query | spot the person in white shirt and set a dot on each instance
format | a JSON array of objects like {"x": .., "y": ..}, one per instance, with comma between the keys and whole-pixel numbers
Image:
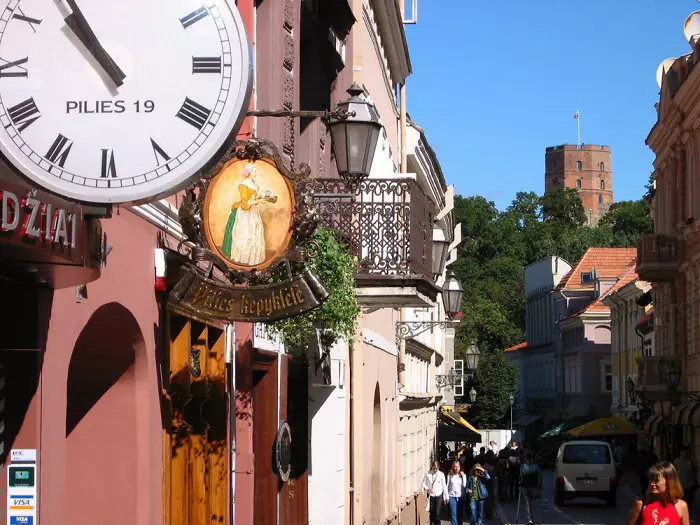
[
  {"x": 493, "y": 447},
  {"x": 434, "y": 485},
  {"x": 456, "y": 489}
]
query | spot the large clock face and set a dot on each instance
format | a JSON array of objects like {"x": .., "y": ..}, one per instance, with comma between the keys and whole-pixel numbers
[{"x": 119, "y": 100}]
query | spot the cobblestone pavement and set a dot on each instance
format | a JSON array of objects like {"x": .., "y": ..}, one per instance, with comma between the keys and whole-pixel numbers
[{"x": 581, "y": 511}]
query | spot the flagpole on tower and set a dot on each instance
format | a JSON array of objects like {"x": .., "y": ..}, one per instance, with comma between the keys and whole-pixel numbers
[{"x": 577, "y": 116}]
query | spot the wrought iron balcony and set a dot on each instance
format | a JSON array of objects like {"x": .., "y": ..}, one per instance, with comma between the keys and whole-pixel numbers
[
  {"x": 388, "y": 225},
  {"x": 659, "y": 257}
]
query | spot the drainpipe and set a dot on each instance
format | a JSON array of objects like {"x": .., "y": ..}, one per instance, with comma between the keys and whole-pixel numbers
[
  {"x": 351, "y": 420},
  {"x": 404, "y": 169}
]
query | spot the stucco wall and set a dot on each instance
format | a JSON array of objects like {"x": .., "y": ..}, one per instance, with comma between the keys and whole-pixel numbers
[{"x": 100, "y": 444}]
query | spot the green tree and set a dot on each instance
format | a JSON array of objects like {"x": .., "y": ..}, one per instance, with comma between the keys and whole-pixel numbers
[
  {"x": 563, "y": 206},
  {"x": 628, "y": 220},
  {"x": 495, "y": 380}
]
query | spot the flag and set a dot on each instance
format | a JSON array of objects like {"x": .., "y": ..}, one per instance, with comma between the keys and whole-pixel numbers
[{"x": 576, "y": 115}]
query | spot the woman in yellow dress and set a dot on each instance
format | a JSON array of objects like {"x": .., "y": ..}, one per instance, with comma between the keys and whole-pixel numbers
[{"x": 244, "y": 235}]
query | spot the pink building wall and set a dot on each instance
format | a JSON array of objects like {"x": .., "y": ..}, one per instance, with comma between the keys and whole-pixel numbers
[{"x": 95, "y": 417}]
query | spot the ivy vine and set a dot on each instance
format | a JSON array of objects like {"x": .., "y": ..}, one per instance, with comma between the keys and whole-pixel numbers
[{"x": 335, "y": 267}]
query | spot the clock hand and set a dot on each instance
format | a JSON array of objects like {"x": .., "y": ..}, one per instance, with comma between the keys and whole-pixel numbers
[{"x": 78, "y": 24}]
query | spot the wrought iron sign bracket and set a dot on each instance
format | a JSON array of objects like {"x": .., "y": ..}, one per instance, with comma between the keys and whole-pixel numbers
[
  {"x": 443, "y": 380},
  {"x": 695, "y": 396},
  {"x": 337, "y": 114},
  {"x": 410, "y": 329}
]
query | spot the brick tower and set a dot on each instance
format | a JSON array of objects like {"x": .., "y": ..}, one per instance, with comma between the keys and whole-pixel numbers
[{"x": 587, "y": 168}]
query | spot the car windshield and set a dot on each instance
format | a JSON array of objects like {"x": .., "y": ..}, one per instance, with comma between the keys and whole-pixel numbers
[{"x": 587, "y": 454}]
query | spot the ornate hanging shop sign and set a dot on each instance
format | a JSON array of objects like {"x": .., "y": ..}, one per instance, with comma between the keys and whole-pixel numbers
[{"x": 246, "y": 223}]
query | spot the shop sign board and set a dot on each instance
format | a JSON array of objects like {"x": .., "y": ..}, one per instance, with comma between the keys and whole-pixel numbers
[
  {"x": 22, "y": 479},
  {"x": 30, "y": 217},
  {"x": 249, "y": 220}
]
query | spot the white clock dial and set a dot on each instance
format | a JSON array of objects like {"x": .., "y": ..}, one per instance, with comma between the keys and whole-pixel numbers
[{"x": 119, "y": 101}]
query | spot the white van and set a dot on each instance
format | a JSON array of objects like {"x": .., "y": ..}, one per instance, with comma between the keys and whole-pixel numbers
[{"x": 585, "y": 469}]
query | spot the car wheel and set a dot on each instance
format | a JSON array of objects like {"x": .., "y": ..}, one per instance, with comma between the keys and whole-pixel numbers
[{"x": 559, "y": 497}]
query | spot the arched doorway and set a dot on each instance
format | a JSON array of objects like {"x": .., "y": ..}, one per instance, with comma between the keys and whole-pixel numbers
[
  {"x": 376, "y": 489},
  {"x": 101, "y": 419}
]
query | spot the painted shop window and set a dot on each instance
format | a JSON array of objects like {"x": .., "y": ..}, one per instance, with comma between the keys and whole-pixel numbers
[
  {"x": 602, "y": 184},
  {"x": 579, "y": 165},
  {"x": 578, "y": 183}
]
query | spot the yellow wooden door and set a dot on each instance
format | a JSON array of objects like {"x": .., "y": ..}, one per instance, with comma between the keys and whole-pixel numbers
[{"x": 195, "y": 481}]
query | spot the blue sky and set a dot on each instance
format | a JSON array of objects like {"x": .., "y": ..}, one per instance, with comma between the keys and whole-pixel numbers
[{"x": 495, "y": 82}]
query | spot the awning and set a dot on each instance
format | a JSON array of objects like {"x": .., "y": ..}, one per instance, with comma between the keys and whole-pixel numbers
[
  {"x": 561, "y": 428},
  {"x": 526, "y": 420},
  {"x": 653, "y": 424},
  {"x": 683, "y": 415},
  {"x": 454, "y": 427},
  {"x": 646, "y": 323},
  {"x": 605, "y": 426},
  {"x": 447, "y": 432}
]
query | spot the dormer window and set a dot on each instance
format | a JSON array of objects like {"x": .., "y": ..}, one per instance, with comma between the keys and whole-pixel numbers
[{"x": 586, "y": 277}]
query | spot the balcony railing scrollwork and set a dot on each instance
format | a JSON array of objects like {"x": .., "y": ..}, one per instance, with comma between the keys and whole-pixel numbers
[
  {"x": 659, "y": 257},
  {"x": 387, "y": 223}
]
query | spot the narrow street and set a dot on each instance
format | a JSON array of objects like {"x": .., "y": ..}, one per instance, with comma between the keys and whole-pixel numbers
[{"x": 583, "y": 511}]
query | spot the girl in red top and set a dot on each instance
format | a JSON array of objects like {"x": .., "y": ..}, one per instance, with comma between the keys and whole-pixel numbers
[{"x": 663, "y": 503}]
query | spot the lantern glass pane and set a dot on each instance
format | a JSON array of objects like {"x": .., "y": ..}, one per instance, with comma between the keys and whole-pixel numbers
[
  {"x": 357, "y": 146},
  {"x": 338, "y": 136}
]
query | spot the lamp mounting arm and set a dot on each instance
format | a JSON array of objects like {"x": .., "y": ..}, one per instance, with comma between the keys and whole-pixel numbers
[
  {"x": 410, "y": 329},
  {"x": 337, "y": 114}
]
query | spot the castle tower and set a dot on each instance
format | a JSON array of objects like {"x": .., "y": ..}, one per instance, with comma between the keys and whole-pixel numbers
[{"x": 587, "y": 168}]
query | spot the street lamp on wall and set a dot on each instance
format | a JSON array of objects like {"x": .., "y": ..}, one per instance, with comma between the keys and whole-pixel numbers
[
  {"x": 354, "y": 133},
  {"x": 441, "y": 245},
  {"x": 452, "y": 293},
  {"x": 631, "y": 392},
  {"x": 354, "y": 126},
  {"x": 471, "y": 359},
  {"x": 511, "y": 400},
  {"x": 472, "y": 396}
]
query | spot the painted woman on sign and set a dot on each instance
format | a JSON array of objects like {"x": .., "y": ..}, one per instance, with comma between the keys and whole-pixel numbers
[{"x": 244, "y": 235}]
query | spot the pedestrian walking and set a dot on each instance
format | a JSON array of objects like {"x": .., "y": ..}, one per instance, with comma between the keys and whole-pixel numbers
[
  {"x": 477, "y": 493},
  {"x": 645, "y": 461},
  {"x": 434, "y": 485},
  {"x": 456, "y": 489},
  {"x": 490, "y": 466},
  {"x": 688, "y": 474},
  {"x": 515, "y": 455},
  {"x": 530, "y": 483},
  {"x": 493, "y": 447},
  {"x": 663, "y": 503}
]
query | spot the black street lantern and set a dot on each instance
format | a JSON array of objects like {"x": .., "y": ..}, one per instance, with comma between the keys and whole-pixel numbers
[
  {"x": 472, "y": 396},
  {"x": 452, "y": 292},
  {"x": 440, "y": 249},
  {"x": 354, "y": 128},
  {"x": 471, "y": 359},
  {"x": 673, "y": 376},
  {"x": 631, "y": 392}
]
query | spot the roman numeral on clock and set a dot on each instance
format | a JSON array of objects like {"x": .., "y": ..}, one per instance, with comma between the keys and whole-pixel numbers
[
  {"x": 59, "y": 150},
  {"x": 160, "y": 154},
  {"x": 24, "y": 114},
  {"x": 194, "y": 114},
  {"x": 14, "y": 68},
  {"x": 31, "y": 21},
  {"x": 206, "y": 64},
  {"x": 194, "y": 16},
  {"x": 109, "y": 168}
]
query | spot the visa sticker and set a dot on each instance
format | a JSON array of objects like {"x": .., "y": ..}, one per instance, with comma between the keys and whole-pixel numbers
[{"x": 21, "y": 520}]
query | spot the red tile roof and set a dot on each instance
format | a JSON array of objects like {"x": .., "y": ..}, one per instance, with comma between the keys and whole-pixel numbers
[
  {"x": 516, "y": 347},
  {"x": 627, "y": 276},
  {"x": 608, "y": 262}
]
